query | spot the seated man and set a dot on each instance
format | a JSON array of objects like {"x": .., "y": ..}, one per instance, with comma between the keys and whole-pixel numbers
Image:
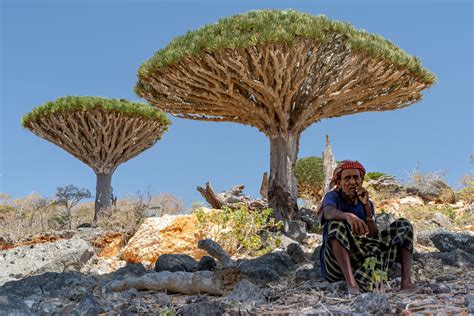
[{"x": 350, "y": 234}]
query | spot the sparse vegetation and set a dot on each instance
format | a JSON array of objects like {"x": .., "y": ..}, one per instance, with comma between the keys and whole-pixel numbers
[
  {"x": 374, "y": 175},
  {"x": 239, "y": 231}
]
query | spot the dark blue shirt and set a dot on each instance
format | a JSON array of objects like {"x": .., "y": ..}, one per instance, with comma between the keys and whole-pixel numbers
[{"x": 335, "y": 199}]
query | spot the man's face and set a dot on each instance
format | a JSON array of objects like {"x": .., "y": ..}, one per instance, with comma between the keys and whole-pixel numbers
[{"x": 350, "y": 181}]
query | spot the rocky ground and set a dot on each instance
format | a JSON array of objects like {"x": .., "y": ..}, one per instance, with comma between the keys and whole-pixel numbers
[{"x": 71, "y": 272}]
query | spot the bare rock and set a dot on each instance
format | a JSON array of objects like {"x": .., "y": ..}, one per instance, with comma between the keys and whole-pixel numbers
[
  {"x": 109, "y": 244},
  {"x": 206, "y": 263},
  {"x": 248, "y": 293},
  {"x": 13, "y": 305},
  {"x": 70, "y": 285},
  {"x": 205, "y": 308},
  {"x": 175, "y": 262},
  {"x": 447, "y": 241},
  {"x": 297, "y": 231},
  {"x": 387, "y": 185},
  {"x": 439, "y": 288},
  {"x": 384, "y": 220},
  {"x": 411, "y": 200},
  {"x": 315, "y": 256},
  {"x": 309, "y": 275},
  {"x": 441, "y": 220},
  {"x": 267, "y": 268},
  {"x": 310, "y": 218},
  {"x": 61, "y": 255},
  {"x": 89, "y": 305},
  {"x": 433, "y": 191},
  {"x": 131, "y": 269},
  {"x": 371, "y": 303},
  {"x": 296, "y": 254},
  {"x": 163, "y": 235}
]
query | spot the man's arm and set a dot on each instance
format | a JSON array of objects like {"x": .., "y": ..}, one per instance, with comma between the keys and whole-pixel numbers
[
  {"x": 369, "y": 219},
  {"x": 358, "y": 226}
]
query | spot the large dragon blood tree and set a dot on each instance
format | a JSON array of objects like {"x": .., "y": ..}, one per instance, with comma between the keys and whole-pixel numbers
[
  {"x": 280, "y": 71},
  {"x": 102, "y": 133}
]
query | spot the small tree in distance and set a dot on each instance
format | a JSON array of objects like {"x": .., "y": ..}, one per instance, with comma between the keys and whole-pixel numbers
[
  {"x": 102, "y": 133},
  {"x": 69, "y": 196}
]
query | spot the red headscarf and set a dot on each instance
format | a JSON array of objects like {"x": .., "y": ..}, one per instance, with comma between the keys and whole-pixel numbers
[{"x": 347, "y": 164}]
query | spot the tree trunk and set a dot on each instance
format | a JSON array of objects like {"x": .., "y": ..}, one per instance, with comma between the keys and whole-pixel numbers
[
  {"x": 282, "y": 187},
  {"x": 103, "y": 193}
]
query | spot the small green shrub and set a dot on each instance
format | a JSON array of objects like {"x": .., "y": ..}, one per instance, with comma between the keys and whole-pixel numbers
[
  {"x": 379, "y": 277},
  {"x": 239, "y": 231},
  {"x": 374, "y": 175},
  {"x": 467, "y": 194}
]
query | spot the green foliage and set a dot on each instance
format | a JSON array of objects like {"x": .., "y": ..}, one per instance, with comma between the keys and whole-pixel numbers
[
  {"x": 238, "y": 231},
  {"x": 74, "y": 103},
  {"x": 287, "y": 26},
  {"x": 166, "y": 312},
  {"x": 378, "y": 276},
  {"x": 309, "y": 171},
  {"x": 467, "y": 194},
  {"x": 374, "y": 175}
]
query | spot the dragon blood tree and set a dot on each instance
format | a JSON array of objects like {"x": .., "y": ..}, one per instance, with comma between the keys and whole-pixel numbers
[
  {"x": 102, "y": 133},
  {"x": 280, "y": 71}
]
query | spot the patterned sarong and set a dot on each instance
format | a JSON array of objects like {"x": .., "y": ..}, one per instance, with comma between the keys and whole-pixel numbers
[{"x": 385, "y": 249}]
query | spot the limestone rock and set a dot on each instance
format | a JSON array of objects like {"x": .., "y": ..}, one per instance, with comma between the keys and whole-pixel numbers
[
  {"x": 433, "y": 190},
  {"x": 175, "y": 262},
  {"x": 13, "y": 305},
  {"x": 267, "y": 268},
  {"x": 371, "y": 303},
  {"x": 61, "y": 255},
  {"x": 308, "y": 274},
  {"x": 248, "y": 293},
  {"x": 206, "y": 263},
  {"x": 70, "y": 285},
  {"x": 109, "y": 244},
  {"x": 446, "y": 241},
  {"x": 163, "y": 235},
  {"x": 296, "y": 253},
  {"x": 387, "y": 185},
  {"x": 411, "y": 200}
]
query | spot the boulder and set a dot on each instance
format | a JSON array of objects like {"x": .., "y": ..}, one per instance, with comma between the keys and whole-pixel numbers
[
  {"x": 267, "y": 268},
  {"x": 315, "y": 256},
  {"x": 72, "y": 285},
  {"x": 88, "y": 305},
  {"x": 109, "y": 244},
  {"x": 131, "y": 269},
  {"x": 248, "y": 293},
  {"x": 309, "y": 275},
  {"x": 206, "y": 263},
  {"x": 433, "y": 191},
  {"x": 311, "y": 219},
  {"x": 13, "y": 305},
  {"x": 297, "y": 231},
  {"x": 384, "y": 220},
  {"x": 446, "y": 241},
  {"x": 386, "y": 185},
  {"x": 456, "y": 258},
  {"x": 204, "y": 308},
  {"x": 411, "y": 201},
  {"x": 441, "y": 220},
  {"x": 371, "y": 303},
  {"x": 61, "y": 255},
  {"x": 164, "y": 235},
  {"x": 175, "y": 262},
  {"x": 296, "y": 254}
]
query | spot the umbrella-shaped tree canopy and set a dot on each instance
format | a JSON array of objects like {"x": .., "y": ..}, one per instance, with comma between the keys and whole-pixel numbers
[
  {"x": 102, "y": 133},
  {"x": 280, "y": 71}
]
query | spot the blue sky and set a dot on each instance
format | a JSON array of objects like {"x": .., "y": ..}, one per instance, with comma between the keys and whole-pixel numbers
[{"x": 52, "y": 48}]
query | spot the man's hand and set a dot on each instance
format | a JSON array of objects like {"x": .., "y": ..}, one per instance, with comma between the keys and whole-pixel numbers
[
  {"x": 362, "y": 195},
  {"x": 358, "y": 226}
]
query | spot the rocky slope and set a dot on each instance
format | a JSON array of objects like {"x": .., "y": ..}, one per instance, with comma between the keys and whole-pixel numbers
[{"x": 71, "y": 272}]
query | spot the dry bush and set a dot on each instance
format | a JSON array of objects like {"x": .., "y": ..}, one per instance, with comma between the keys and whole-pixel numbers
[
  {"x": 128, "y": 214},
  {"x": 25, "y": 216}
]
